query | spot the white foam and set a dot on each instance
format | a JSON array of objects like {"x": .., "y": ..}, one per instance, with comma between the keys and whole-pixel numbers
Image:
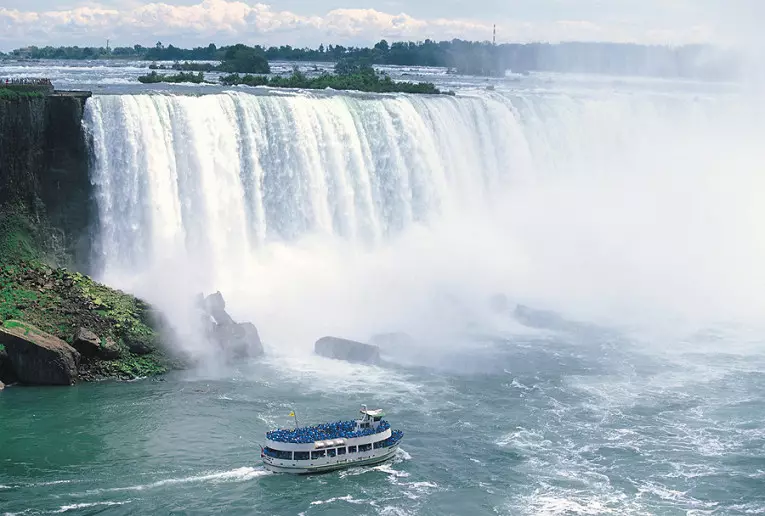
[
  {"x": 346, "y": 498},
  {"x": 73, "y": 507},
  {"x": 235, "y": 475}
]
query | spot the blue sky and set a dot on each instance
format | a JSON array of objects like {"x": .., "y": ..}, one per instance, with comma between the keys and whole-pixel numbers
[{"x": 310, "y": 22}]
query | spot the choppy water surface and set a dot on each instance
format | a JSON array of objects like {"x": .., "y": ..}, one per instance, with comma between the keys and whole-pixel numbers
[
  {"x": 529, "y": 426},
  {"x": 631, "y": 204}
]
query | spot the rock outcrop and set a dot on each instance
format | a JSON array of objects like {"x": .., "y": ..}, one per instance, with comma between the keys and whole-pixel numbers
[
  {"x": 235, "y": 340},
  {"x": 86, "y": 343},
  {"x": 37, "y": 357},
  {"x": 348, "y": 350}
]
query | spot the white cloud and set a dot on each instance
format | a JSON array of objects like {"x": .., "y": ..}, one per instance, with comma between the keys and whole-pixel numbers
[{"x": 229, "y": 21}]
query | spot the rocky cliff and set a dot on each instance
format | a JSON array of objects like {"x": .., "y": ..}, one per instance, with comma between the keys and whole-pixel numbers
[
  {"x": 59, "y": 326},
  {"x": 46, "y": 202}
]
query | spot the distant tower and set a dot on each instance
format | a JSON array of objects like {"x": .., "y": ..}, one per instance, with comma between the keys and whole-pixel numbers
[
  {"x": 107, "y": 46},
  {"x": 494, "y": 37}
]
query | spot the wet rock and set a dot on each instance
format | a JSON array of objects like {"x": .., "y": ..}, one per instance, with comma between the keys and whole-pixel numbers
[
  {"x": 239, "y": 340},
  {"x": 86, "y": 342},
  {"x": 2, "y": 386},
  {"x": 139, "y": 343},
  {"x": 6, "y": 368},
  {"x": 110, "y": 350},
  {"x": 348, "y": 350},
  {"x": 39, "y": 358},
  {"x": 542, "y": 319},
  {"x": 235, "y": 340},
  {"x": 215, "y": 305}
]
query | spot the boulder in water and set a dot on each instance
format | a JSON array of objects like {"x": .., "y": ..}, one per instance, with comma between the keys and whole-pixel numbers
[
  {"x": 239, "y": 340},
  {"x": 236, "y": 340},
  {"x": 215, "y": 305},
  {"x": 39, "y": 358},
  {"x": 86, "y": 342},
  {"x": 2, "y": 386},
  {"x": 348, "y": 350},
  {"x": 393, "y": 343},
  {"x": 543, "y": 319}
]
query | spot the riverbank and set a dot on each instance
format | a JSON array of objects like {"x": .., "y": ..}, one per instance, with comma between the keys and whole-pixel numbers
[{"x": 115, "y": 334}]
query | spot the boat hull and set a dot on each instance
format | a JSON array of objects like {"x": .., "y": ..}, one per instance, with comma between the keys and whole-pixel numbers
[{"x": 290, "y": 467}]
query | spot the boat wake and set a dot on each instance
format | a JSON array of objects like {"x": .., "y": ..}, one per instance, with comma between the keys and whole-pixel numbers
[{"x": 235, "y": 475}]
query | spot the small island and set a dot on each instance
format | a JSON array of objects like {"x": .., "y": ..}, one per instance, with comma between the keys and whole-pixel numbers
[{"x": 348, "y": 75}]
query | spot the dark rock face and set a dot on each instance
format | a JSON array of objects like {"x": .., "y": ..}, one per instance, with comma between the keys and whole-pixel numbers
[
  {"x": 44, "y": 169},
  {"x": 348, "y": 350},
  {"x": 215, "y": 305},
  {"x": 110, "y": 350},
  {"x": 140, "y": 344},
  {"x": 6, "y": 368},
  {"x": 235, "y": 340},
  {"x": 86, "y": 343},
  {"x": 39, "y": 358},
  {"x": 239, "y": 340}
]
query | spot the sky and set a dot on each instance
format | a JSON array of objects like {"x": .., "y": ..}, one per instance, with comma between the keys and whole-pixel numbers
[{"x": 361, "y": 22}]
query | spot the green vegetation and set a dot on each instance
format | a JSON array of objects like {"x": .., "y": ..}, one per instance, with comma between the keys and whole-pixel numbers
[
  {"x": 59, "y": 302},
  {"x": 359, "y": 82},
  {"x": 14, "y": 94},
  {"x": 244, "y": 59},
  {"x": 463, "y": 56},
  {"x": 19, "y": 236},
  {"x": 154, "y": 77}
]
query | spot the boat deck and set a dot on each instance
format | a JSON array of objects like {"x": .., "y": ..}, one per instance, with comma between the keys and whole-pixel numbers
[{"x": 325, "y": 431}]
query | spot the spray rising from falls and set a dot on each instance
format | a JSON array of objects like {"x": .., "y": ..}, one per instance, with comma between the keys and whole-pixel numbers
[{"x": 342, "y": 214}]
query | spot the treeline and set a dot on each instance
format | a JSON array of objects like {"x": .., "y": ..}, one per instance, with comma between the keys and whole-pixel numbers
[
  {"x": 470, "y": 57},
  {"x": 348, "y": 75}
]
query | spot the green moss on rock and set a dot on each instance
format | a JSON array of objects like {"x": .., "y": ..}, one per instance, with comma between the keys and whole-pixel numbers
[{"x": 59, "y": 302}]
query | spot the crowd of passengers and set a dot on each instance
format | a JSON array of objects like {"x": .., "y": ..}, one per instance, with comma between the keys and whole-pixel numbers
[
  {"x": 26, "y": 82},
  {"x": 338, "y": 430},
  {"x": 395, "y": 437}
]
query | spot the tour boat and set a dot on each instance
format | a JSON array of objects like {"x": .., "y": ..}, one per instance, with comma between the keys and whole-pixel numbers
[{"x": 331, "y": 446}]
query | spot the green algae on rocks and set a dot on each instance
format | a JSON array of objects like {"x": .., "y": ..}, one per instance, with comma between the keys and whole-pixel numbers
[{"x": 124, "y": 330}]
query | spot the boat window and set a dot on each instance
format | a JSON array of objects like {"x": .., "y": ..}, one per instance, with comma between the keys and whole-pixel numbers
[
  {"x": 351, "y": 449},
  {"x": 379, "y": 444},
  {"x": 278, "y": 454},
  {"x": 302, "y": 455},
  {"x": 341, "y": 451},
  {"x": 332, "y": 452},
  {"x": 318, "y": 454},
  {"x": 365, "y": 447}
]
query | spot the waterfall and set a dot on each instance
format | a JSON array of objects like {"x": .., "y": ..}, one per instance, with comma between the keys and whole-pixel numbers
[
  {"x": 220, "y": 175},
  {"x": 347, "y": 207}
]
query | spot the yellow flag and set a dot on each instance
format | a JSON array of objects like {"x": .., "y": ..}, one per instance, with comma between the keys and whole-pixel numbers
[{"x": 292, "y": 414}]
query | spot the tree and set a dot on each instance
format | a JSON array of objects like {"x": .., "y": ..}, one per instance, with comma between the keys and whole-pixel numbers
[
  {"x": 382, "y": 46},
  {"x": 241, "y": 58}
]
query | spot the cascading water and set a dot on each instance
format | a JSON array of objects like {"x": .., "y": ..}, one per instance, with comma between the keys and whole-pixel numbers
[{"x": 349, "y": 213}]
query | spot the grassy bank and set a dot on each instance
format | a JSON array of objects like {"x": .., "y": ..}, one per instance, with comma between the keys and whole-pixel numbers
[
  {"x": 59, "y": 301},
  {"x": 14, "y": 94}
]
